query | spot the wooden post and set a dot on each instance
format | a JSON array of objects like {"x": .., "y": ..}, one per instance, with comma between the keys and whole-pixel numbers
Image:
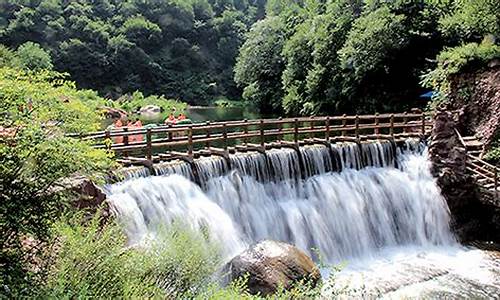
[
  {"x": 391, "y": 129},
  {"x": 108, "y": 137},
  {"x": 496, "y": 180},
  {"x": 296, "y": 131},
  {"x": 207, "y": 144},
  {"x": 311, "y": 135},
  {"x": 190, "y": 141},
  {"x": 423, "y": 124},
  {"x": 170, "y": 136},
  {"x": 344, "y": 124},
  {"x": 245, "y": 140},
  {"x": 356, "y": 124},
  {"x": 125, "y": 140},
  {"x": 377, "y": 122},
  {"x": 262, "y": 141},
  {"x": 327, "y": 128},
  {"x": 405, "y": 122},
  {"x": 149, "y": 148},
  {"x": 280, "y": 129},
  {"x": 224, "y": 135}
]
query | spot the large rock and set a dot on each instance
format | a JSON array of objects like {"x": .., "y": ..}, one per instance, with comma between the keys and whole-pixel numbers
[
  {"x": 271, "y": 264},
  {"x": 86, "y": 195},
  {"x": 149, "y": 110},
  {"x": 472, "y": 216}
]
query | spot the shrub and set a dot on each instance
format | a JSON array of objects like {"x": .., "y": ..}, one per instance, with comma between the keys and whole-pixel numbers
[
  {"x": 93, "y": 262},
  {"x": 454, "y": 60},
  {"x": 38, "y": 109},
  {"x": 137, "y": 100}
]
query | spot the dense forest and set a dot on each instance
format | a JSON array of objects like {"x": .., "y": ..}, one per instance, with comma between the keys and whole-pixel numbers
[
  {"x": 304, "y": 57},
  {"x": 286, "y": 56},
  {"x": 310, "y": 57},
  {"x": 177, "y": 48}
]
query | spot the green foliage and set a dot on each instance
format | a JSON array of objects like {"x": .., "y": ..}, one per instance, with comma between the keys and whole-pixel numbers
[
  {"x": 183, "y": 49},
  {"x": 259, "y": 64},
  {"x": 373, "y": 38},
  {"x": 493, "y": 155},
  {"x": 33, "y": 57},
  {"x": 453, "y": 60},
  {"x": 137, "y": 100},
  {"x": 471, "y": 19},
  {"x": 35, "y": 155},
  {"x": 313, "y": 73},
  {"x": 93, "y": 262},
  {"x": 8, "y": 58},
  {"x": 347, "y": 56}
]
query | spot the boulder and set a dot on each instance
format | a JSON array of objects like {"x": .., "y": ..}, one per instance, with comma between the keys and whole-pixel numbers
[
  {"x": 86, "y": 194},
  {"x": 270, "y": 265},
  {"x": 150, "y": 110}
]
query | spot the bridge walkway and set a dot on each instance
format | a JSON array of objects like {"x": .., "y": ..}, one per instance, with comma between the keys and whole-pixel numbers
[{"x": 186, "y": 142}]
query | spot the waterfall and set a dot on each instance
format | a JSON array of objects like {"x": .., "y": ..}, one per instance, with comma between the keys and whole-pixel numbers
[{"x": 346, "y": 200}]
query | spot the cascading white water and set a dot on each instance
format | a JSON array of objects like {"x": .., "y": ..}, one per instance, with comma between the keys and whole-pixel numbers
[
  {"x": 344, "y": 214},
  {"x": 374, "y": 205}
]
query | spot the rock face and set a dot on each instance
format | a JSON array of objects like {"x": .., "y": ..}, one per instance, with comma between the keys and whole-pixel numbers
[
  {"x": 271, "y": 264},
  {"x": 448, "y": 166},
  {"x": 476, "y": 97},
  {"x": 87, "y": 196},
  {"x": 472, "y": 216}
]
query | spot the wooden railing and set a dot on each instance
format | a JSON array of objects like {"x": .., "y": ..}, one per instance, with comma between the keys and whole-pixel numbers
[
  {"x": 486, "y": 174},
  {"x": 185, "y": 140}
]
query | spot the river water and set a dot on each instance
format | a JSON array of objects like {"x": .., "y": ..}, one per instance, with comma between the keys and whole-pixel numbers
[{"x": 373, "y": 209}]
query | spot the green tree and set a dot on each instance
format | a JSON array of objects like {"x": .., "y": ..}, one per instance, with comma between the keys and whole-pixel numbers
[
  {"x": 471, "y": 20},
  {"x": 373, "y": 38},
  {"x": 259, "y": 65},
  {"x": 32, "y": 56}
]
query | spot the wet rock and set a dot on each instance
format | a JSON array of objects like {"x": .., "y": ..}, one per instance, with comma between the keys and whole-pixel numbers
[{"x": 270, "y": 265}]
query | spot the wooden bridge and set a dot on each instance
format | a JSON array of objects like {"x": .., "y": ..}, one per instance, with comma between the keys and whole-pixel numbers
[{"x": 162, "y": 143}]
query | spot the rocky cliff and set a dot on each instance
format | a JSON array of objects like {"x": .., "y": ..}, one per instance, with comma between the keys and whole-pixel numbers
[
  {"x": 474, "y": 215},
  {"x": 475, "y": 95}
]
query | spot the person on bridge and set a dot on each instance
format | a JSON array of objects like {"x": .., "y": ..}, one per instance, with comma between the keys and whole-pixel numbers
[
  {"x": 118, "y": 126},
  {"x": 171, "y": 119},
  {"x": 138, "y": 125},
  {"x": 130, "y": 126}
]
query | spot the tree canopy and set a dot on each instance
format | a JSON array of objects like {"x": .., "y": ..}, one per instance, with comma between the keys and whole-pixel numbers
[
  {"x": 177, "y": 48},
  {"x": 355, "y": 56}
]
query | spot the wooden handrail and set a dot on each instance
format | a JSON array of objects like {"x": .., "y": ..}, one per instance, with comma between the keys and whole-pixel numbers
[
  {"x": 249, "y": 131},
  {"x": 238, "y": 123}
]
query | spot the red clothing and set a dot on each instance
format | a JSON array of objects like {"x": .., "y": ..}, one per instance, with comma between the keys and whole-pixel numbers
[
  {"x": 138, "y": 125},
  {"x": 118, "y": 125}
]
